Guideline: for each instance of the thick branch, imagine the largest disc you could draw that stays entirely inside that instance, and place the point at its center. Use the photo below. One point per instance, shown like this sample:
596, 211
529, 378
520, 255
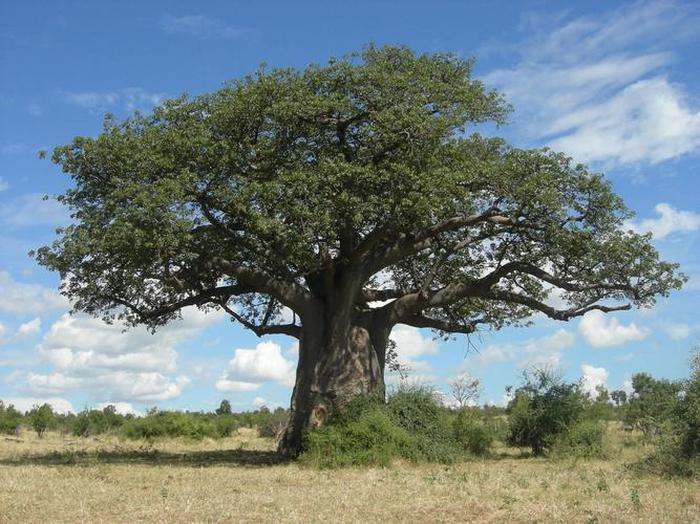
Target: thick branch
421, 321
291, 330
290, 294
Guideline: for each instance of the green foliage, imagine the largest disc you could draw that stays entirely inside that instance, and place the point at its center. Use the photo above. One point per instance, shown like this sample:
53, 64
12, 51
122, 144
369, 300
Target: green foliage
678, 435
416, 410
584, 439
157, 424
10, 419
471, 433
599, 407
543, 408
224, 408
411, 425
284, 174
41, 418
96, 422
369, 437
652, 403
272, 425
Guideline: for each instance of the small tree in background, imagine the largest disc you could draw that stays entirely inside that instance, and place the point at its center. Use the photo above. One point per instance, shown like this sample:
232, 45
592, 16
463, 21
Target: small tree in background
651, 403
41, 418
619, 397
224, 408
465, 390
10, 419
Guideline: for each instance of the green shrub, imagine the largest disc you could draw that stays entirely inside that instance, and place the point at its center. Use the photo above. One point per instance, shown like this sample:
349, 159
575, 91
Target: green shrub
583, 439
678, 438
543, 408
169, 424
272, 424
370, 438
472, 434
417, 411
10, 419
96, 422
652, 403
225, 425
41, 418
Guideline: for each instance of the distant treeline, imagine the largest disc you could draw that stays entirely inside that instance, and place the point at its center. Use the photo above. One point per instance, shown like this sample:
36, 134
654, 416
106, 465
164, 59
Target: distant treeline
545, 414
154, 424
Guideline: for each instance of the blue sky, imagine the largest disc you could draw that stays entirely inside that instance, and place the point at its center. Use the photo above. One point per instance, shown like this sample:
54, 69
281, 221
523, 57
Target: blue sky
614, 84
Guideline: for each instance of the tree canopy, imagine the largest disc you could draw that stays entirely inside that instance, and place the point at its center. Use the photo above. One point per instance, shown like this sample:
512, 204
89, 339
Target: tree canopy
272, 190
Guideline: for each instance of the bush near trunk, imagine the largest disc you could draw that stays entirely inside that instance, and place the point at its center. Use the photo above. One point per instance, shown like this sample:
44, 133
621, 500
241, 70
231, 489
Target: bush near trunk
411, 425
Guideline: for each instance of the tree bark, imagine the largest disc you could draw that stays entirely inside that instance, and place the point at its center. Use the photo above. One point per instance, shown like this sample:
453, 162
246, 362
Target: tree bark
339, 358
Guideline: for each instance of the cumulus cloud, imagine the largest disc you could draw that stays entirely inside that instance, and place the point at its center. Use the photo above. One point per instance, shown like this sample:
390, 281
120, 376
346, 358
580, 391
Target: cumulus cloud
543, 351
601, 330
669, 221
122, 408
24, 404
89, 355
585, 87
592, 378
29, 328
411, 343
250, 368
27, 299
201, 26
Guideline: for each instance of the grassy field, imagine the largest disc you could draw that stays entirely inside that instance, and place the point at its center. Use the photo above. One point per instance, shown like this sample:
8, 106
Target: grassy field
64, 479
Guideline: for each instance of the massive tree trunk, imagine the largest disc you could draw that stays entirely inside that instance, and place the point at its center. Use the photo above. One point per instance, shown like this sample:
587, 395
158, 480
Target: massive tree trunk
339, 358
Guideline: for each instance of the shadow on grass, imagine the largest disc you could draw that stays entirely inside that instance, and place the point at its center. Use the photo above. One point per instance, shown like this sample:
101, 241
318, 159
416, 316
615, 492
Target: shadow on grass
237, 457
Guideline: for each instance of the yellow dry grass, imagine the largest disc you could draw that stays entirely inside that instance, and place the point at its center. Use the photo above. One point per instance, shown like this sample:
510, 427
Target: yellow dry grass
64, 479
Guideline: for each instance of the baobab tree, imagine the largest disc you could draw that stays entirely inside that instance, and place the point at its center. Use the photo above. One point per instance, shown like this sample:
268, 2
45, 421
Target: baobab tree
359, 195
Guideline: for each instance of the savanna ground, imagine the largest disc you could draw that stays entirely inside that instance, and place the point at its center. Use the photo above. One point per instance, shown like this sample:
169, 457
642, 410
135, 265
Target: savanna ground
239, 479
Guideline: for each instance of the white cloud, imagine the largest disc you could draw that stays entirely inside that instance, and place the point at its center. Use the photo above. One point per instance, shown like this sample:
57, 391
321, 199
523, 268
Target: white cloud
129, 98
122, 408
33, 210
90, 355
678, 331
30, 328
3, 184
259, 402
22, 299
141, 387
250, 368
411, 343
670, 220
588, 87
605, 331
24, 404
592, 378
544, 351
201, 26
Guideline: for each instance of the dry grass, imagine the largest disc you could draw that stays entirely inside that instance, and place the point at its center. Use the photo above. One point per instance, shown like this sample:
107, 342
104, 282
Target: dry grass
62, 479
